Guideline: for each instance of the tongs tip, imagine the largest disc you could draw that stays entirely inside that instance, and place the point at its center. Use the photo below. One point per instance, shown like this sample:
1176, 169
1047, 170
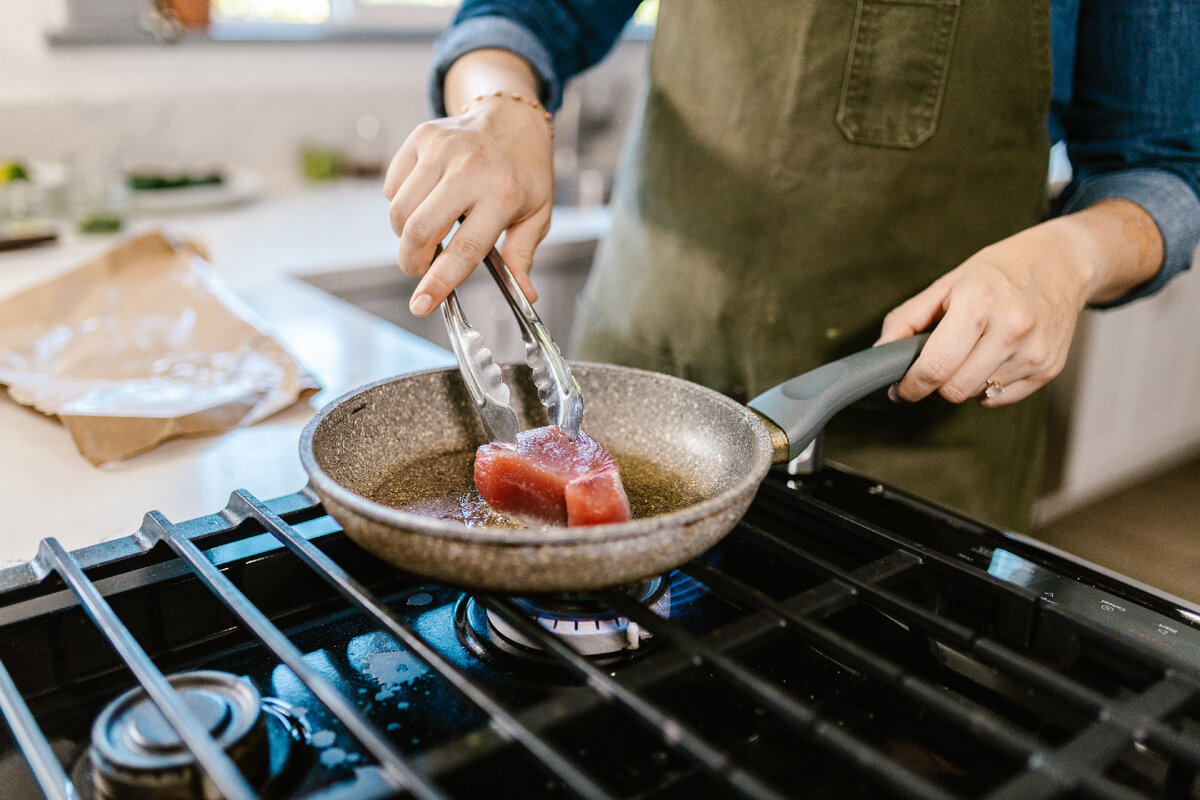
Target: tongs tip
571, 420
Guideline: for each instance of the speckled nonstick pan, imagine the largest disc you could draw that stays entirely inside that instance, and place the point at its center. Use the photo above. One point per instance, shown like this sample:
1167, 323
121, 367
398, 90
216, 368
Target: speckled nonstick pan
700, 454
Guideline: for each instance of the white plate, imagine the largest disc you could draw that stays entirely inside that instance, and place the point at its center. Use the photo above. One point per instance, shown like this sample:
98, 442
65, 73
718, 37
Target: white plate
238, 187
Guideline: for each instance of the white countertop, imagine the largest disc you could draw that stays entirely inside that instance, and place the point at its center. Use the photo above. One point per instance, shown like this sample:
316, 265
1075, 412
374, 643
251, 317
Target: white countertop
48, 489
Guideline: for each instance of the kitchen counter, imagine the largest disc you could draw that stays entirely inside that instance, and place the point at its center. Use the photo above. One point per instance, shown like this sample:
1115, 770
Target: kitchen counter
259, 249
336, 234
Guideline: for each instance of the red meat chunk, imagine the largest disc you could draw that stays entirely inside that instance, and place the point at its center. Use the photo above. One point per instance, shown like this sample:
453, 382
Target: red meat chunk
550, 478
597, 498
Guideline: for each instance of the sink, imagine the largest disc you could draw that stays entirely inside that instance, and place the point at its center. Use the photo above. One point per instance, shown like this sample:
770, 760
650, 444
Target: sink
560, 269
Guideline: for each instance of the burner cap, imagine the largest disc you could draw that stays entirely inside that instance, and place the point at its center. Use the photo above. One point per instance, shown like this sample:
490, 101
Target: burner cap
581, 621
136, 753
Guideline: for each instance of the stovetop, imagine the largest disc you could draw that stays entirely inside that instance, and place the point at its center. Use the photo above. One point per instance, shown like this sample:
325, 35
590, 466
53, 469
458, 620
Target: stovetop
845, 640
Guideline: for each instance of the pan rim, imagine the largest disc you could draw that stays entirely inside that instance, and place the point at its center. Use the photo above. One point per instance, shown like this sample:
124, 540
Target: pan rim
412, 523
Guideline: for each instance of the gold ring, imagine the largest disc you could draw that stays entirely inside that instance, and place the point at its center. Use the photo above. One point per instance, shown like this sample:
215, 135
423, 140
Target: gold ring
992, 389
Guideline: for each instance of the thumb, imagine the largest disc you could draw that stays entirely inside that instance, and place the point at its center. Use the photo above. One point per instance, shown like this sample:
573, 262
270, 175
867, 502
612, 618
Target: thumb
920, 312
520, 241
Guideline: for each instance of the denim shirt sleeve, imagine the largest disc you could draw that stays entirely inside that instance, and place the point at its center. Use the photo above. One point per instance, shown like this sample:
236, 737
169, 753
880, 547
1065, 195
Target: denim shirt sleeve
559, 38
1128, 109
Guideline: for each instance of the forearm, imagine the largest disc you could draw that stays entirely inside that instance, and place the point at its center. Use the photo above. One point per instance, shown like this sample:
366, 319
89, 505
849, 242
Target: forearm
1170, 203
1118, 245
558, 39
486, 71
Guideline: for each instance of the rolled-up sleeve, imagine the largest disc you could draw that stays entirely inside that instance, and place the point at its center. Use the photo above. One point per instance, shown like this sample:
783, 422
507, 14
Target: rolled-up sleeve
1171, 203
559, 38
1132, 121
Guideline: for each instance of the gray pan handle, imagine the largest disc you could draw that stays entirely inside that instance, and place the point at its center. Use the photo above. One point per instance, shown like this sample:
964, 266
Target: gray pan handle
802, 405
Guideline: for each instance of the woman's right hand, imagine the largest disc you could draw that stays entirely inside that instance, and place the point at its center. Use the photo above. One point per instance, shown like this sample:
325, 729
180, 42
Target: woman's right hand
491, 164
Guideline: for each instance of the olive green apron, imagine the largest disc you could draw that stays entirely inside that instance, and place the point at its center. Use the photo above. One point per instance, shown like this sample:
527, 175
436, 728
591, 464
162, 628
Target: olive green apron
799, 169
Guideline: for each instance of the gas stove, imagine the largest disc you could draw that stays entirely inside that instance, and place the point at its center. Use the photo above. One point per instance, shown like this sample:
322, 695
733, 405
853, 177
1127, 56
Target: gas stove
845, 640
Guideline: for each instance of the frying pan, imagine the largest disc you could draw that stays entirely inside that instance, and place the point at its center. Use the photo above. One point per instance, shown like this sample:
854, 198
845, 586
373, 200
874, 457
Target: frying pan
392, 463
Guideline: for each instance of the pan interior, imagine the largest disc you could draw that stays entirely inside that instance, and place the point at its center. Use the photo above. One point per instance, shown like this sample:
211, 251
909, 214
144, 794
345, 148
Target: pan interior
442, 487
406, 446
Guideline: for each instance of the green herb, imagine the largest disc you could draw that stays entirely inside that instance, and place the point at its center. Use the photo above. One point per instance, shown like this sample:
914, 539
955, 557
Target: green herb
321, 164
101, 222
13, 171
146, 182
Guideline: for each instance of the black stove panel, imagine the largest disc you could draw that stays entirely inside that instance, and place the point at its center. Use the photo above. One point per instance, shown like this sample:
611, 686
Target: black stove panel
845, 640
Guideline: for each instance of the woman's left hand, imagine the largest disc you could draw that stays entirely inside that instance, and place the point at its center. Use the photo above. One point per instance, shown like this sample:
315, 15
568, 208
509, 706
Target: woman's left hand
1005, 317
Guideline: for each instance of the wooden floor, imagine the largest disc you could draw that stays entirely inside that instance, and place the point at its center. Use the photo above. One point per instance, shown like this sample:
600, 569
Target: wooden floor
1150, 532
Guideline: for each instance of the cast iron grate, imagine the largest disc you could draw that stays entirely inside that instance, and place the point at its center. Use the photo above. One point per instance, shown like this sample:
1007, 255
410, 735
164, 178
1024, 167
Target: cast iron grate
952, 683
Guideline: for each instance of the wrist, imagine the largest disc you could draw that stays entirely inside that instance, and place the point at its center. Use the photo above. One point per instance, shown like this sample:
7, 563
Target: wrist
1120, 245
482, 72
1083, 258
491, 103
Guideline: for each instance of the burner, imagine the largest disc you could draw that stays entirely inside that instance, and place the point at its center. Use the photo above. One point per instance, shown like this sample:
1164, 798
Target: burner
136, 753
583, 622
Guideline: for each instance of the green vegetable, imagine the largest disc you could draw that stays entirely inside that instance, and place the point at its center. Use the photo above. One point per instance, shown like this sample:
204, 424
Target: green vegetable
101, 222
146, 182
320, 164
12, 171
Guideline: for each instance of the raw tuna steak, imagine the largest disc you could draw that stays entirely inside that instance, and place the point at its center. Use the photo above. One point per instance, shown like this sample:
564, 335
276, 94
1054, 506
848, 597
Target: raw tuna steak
550, 478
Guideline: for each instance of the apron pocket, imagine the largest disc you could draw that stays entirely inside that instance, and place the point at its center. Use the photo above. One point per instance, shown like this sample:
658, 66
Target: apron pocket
896, 72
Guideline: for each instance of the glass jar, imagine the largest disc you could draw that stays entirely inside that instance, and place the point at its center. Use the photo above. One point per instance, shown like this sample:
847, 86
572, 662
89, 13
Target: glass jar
99, 194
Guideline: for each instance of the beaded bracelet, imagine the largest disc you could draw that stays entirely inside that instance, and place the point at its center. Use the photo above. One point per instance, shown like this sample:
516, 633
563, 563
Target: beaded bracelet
531, 102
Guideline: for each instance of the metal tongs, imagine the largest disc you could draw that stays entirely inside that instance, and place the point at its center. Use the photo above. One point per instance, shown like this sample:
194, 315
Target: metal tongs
556, 386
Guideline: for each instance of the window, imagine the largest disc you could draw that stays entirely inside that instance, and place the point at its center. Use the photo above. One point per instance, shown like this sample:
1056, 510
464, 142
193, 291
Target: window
131, 21
327, 19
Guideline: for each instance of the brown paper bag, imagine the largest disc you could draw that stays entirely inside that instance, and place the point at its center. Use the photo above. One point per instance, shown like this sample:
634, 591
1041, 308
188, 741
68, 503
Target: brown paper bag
140, 345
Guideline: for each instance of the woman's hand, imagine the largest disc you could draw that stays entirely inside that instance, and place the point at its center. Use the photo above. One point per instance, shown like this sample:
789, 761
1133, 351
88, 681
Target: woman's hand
492, 163
1006, 316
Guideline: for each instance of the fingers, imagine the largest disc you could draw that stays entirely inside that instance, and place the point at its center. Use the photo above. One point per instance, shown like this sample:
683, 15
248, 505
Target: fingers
492, 167
968, 350
962, 354
991, 362
914, 315
958, 358
472, 241
1011, 393
422, 213
421, 216
520, 241
984, 337
1005, 316
401, 165
939, 368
